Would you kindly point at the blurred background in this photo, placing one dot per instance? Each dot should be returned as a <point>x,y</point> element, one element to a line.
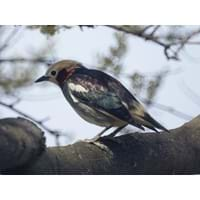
<point>160,65</point>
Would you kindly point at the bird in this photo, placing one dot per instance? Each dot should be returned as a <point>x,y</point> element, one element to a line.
<point>99,98</point>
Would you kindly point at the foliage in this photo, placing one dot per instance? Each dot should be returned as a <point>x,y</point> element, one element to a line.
<point>113,60</point>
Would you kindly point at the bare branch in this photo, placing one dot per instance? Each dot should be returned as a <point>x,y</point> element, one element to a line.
<point>171,49</point>
<point>9,39</point>
<point>169,110</point>
<point>34,60</point>
<point>191,93</point>
<point>155,30</point>
<point>55,133</point>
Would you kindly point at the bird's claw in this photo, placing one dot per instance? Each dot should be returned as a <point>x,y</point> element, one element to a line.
<point>92,140</point>
<point>95,141</point>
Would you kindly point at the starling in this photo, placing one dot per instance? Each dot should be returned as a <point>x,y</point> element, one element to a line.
<point>99,98</point>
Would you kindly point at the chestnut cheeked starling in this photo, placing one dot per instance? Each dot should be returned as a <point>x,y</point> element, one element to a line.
<point>99,98</point>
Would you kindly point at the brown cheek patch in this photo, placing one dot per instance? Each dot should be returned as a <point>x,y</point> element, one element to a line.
<point>61,76</point>
<point>70,71</point>
<point>64,75</point>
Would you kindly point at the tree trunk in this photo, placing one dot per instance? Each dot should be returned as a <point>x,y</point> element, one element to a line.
<point>23,151</point>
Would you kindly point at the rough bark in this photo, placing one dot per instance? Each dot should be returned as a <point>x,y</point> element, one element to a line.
<point>23,151</point>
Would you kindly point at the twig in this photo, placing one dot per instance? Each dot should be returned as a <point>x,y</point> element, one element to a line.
<point>146,28</point>
<point>12,107</point>
<point>34,60</point>
<point>9,39</point>
<point>168,47</point>
<point>155,30</point>
<point>169,110</point>
<point>190,93</point>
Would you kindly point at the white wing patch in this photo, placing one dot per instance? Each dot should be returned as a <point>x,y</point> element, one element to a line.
<point>77,88</point>
<point>125,104</point>
<point>75,100</point>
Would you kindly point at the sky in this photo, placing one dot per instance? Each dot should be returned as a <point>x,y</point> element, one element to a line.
<point>142,56</point>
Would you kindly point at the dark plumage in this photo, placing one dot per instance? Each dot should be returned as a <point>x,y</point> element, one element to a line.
<point>99,98</point>
<point>108,94</point>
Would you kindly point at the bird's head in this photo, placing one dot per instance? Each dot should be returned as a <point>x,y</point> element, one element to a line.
<point>60,71</point>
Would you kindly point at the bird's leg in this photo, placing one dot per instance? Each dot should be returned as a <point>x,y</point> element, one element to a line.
<point>94,139</point>
<point>116,131</point>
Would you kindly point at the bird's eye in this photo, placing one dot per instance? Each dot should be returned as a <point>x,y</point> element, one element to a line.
<point>53,73</point>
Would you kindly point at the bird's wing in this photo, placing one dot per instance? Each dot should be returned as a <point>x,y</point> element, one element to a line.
<point>101,100</point>
<point>136,109</point>
<point>108,94</point>
<point>92,89</point>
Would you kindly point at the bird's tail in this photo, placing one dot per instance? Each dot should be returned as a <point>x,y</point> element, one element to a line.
<point>152,123</point>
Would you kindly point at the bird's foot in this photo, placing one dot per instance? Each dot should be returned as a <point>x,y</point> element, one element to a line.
<point>92,140</point>
<point>95,141</point>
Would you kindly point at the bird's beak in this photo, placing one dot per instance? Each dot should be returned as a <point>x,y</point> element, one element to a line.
<point>43,78</point>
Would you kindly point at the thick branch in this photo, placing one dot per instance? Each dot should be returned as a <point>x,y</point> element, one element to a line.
<point>12,107</point>
<point>20,143</point>
<point>176,152</point>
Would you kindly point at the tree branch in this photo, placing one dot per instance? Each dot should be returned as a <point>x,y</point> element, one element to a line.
<point>28,60</point>
<point>55,133</point>
<point>176,152</point>
<point>20,143</point>
<point>171,42</point>
<point>168,109</point>
<point>171,49</point>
